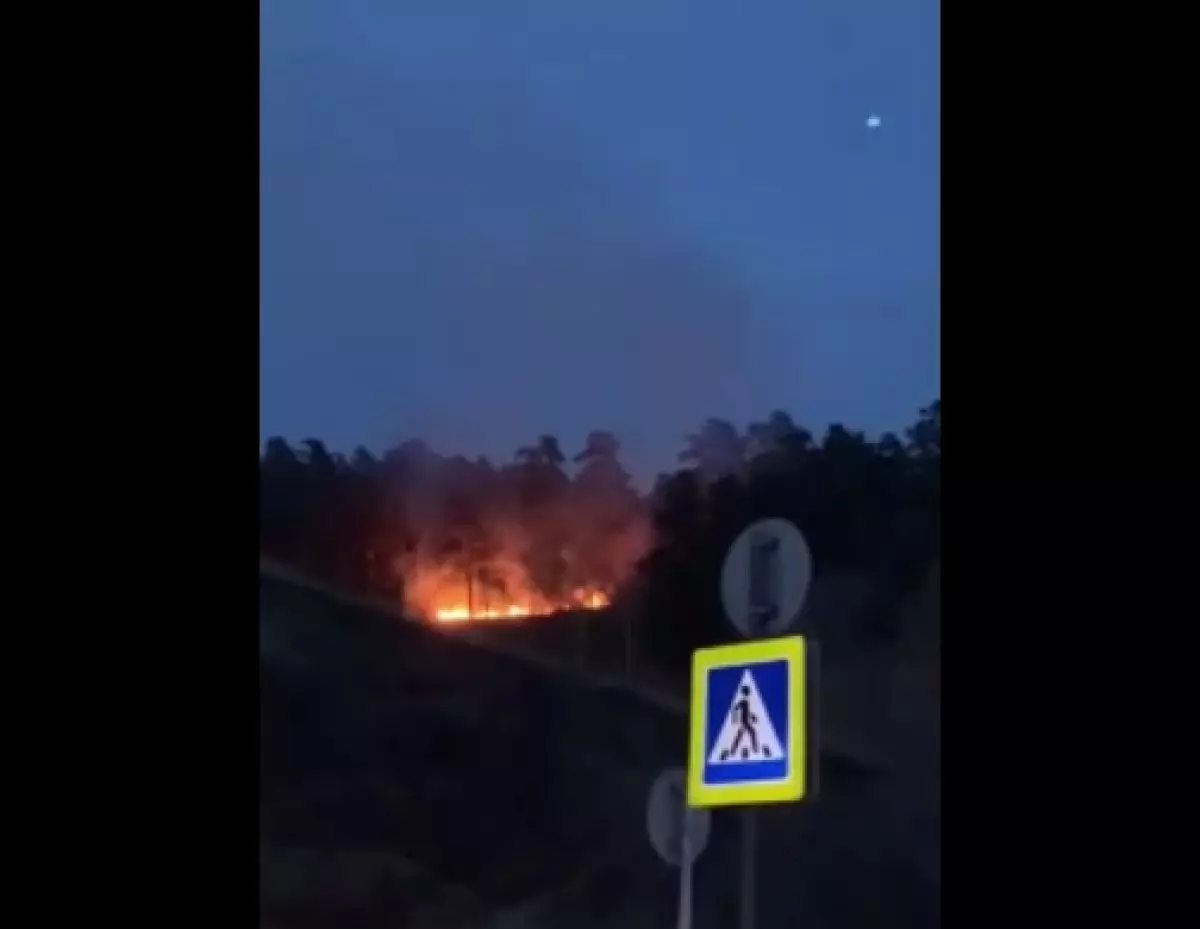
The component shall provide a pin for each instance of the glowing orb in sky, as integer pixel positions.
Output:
(873, 121)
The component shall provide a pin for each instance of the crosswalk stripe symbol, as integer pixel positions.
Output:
(747, 734)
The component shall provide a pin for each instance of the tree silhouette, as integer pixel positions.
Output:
(560, 525)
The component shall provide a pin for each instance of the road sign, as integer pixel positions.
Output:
(748, 736)
(669, 820)
(765, 577)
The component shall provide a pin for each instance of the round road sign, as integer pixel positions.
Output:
(668, 818)
(765, 578)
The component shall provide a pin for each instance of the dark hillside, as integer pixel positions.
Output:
(409, 779)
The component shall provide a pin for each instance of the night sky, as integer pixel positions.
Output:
(482, 220)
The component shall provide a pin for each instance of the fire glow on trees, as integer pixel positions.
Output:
(451, 596)
(524, 540)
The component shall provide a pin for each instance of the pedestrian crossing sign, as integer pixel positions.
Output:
(747, 721)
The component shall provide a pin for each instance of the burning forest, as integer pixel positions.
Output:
(527, 539)
(461, 540)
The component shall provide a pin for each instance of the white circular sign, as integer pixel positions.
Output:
(765, 578)
(669, 819)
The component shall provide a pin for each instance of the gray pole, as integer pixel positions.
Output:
(749, 871)
(685, 880)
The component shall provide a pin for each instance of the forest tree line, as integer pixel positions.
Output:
(411, 524)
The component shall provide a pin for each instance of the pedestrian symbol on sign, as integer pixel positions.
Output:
(747, 733)
(746, 720)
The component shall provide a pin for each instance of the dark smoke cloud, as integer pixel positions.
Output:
(493, 274)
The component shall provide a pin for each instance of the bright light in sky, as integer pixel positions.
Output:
(873, 121)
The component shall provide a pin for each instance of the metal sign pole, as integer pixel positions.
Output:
(679, 833)
(685, 883)
(749, 870)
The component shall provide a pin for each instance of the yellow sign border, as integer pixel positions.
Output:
(791, 649)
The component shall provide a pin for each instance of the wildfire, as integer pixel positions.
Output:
(449, 596)
(458, 612)
(524, 567)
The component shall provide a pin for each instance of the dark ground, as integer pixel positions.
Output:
(411, 780)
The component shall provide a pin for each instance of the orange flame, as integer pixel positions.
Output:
(444, 595)
(462, 613)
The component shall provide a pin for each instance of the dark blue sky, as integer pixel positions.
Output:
(485, 220)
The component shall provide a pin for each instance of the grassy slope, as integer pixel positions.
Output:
(405, 782)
